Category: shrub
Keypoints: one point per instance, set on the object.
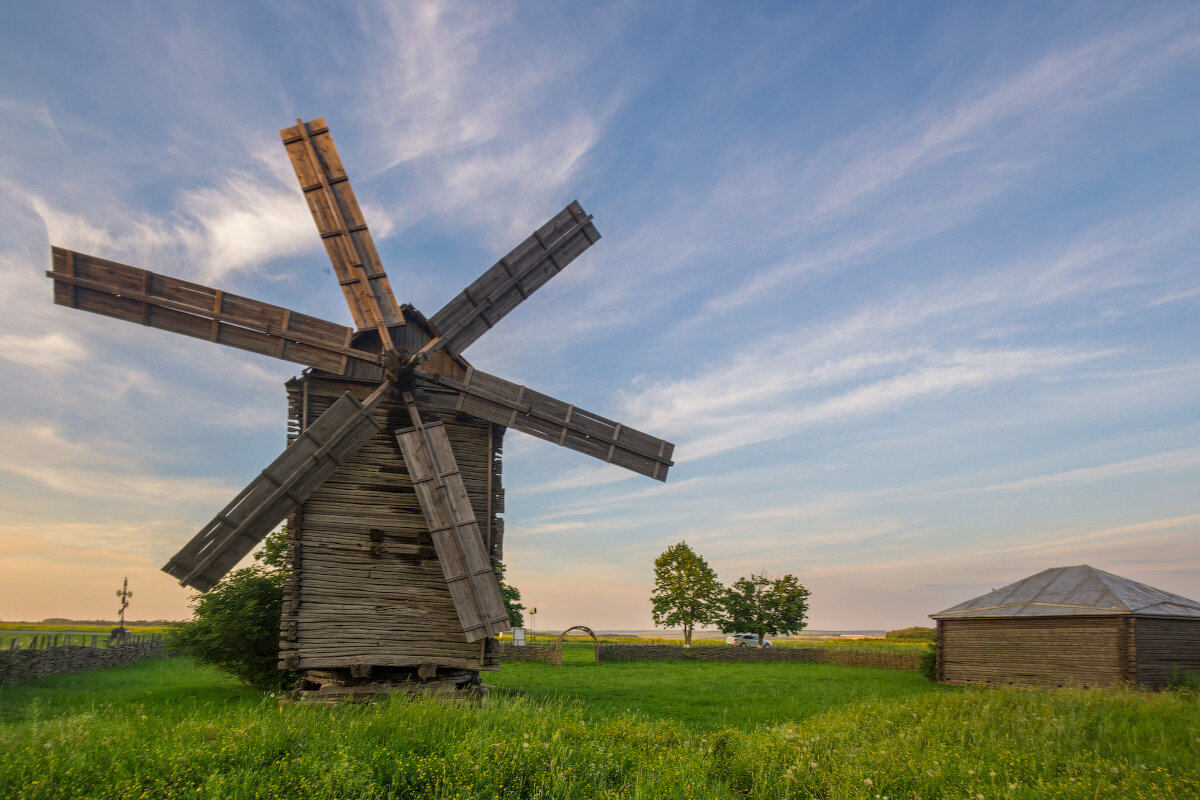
(1184, 680)
(928, 663)
(236, 628)
(913, 634)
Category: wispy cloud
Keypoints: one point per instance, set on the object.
(436, 59)
(1174, 461)
(769, 398)
(45, 455)
(240, 222)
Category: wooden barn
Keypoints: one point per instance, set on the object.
(1069, 626)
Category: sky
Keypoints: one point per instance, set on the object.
(914, 288)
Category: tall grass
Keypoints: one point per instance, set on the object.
(165, 729)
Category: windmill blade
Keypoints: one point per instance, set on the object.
(497, 400)
(282, 487)
(342, 227)
(137, 295)
(516, 276)
(473, 582)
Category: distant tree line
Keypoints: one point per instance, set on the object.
(687, 594)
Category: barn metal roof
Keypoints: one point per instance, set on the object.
(1074, 591)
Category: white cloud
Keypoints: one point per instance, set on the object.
(46, 351)
(756, 400)
(489, 123)
(239, 223)
(44, 454)
(1174, 461)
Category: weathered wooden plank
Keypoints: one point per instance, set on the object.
(342, 227)
(447, 509)
(512, 405)
(160, 301)
(512, 279)
(278, 491)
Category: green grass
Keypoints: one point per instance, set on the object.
(166, 729)
(708, 695)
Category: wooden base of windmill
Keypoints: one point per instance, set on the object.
(341, 685)
(367, 610)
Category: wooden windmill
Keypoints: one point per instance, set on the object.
(391, 478)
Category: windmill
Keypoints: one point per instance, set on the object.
(391, 481)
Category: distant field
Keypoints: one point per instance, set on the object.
(24, 632)
(877, 645)
(165, 729)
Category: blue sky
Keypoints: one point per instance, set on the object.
(913, 287)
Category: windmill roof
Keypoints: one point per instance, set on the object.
(1074, 591)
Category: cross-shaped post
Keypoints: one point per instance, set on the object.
(124, 594)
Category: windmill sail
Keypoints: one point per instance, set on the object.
(159, 301)
(342, 227)
(512, 279)
(456, 537)
(278, 491)
(514, 406)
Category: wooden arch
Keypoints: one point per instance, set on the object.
(595, 642)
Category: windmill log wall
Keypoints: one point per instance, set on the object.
(365, 588)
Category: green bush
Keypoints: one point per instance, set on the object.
(913, 634)
(1183, 679)
(928, 663)
(236, 628)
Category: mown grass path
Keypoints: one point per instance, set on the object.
(166, 729)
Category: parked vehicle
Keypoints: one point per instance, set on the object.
(746, 640)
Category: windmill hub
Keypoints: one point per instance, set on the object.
(391, 479)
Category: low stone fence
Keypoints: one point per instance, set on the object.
(541, 653)
(23, 666)
(843, 656)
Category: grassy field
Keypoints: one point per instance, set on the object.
(652, 730)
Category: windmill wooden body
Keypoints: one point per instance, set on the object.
(391, 481)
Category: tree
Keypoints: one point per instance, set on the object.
(512, 600)
(761, 604)
(686, 590)
(235, 625)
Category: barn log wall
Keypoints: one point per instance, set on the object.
(1047, 652)
(1162, 643)
(365, 588)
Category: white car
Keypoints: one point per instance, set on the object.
(745, 640)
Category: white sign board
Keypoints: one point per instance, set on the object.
(518, 635)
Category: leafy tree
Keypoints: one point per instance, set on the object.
(235, 625)
(512, 600)
(761, 604)
(273, 553)
(686, 590)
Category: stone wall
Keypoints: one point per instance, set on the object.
(23, 666)
(541, 653)
(843, 656)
